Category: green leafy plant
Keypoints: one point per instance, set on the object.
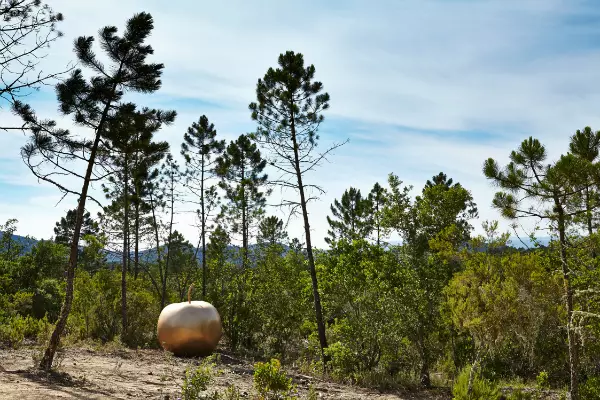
(482, 389)
(519, 394)
(542, 380)
(197, 380)
(271, 382)
(231, 393)
(312, 393)
(590, 390)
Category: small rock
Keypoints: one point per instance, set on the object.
(150, 373)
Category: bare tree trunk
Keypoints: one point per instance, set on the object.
(203, 232)
(163, 298)
(48, 358)
(589, 218)
(571, 335)
(309, 249)
(125, 249)
(158, 254)
(136, 262)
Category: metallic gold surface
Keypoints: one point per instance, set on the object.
(191, 328)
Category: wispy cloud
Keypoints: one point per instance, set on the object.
(419, 87)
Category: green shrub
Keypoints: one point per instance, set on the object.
(542, 380)
(142, 315)
(312, 393)
(482, 388)
(231, 393)
(271, 382)
(519, 394)
(14, 330)
(590, 390)
(47, 299)
(197, 380)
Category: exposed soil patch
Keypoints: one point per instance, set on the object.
(149, 374)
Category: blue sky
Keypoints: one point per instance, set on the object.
(417, 86)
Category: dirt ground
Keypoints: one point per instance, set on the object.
(150, 374)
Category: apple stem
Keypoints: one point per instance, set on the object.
(190, 294)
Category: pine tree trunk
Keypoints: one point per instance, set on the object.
(203, 231)
(309, 249)
(158, 254)
(125, 250)
(571, 335)
(589, 217)
(48, 358)
(163, 298)
(136, 262)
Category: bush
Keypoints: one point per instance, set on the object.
(542, 380)
(18, 328)
(47, 299)
(142, 316)
(271, 382)
(482, 388)
(519, 394)
(590, 390)
(197, 381)
(231, 393)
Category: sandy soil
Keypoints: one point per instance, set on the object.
(150, 374)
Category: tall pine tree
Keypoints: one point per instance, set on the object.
(66, 226)
(92, 104)
(130, 134)
(289, 111)
(200, 148)
(241, 168)
(378, 200)
(552, 187)
(352, 217)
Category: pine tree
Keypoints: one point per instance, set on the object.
(200, 150)
(184, 266)
(129, 133)
(133, 154)
(586, 145)
(240, 168)
(171, 178)
(147, 155)
(439, 179)
(378, 199)
(443, 204)
(66, 226)
(93, 104)
(271, 231)
(353, 217)
(288, 112)
(552, 187)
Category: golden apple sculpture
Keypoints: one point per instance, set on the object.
(191, 328)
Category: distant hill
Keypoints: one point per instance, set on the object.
(515, 242)
(27, 242)
(150, 255)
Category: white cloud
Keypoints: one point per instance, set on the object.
(507, 68)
